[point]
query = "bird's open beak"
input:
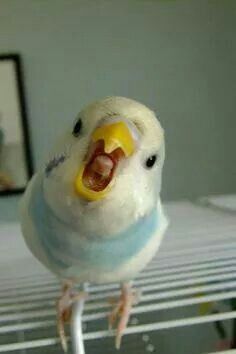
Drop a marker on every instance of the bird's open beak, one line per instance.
(110, 143)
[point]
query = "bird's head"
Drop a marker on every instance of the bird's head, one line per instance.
(105, 173)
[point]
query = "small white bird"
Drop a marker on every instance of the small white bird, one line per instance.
(94, 213)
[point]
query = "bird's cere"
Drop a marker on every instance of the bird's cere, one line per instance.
(115, 135)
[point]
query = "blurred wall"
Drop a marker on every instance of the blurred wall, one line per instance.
(178, 57)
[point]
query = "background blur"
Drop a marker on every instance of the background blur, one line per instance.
(178, 57)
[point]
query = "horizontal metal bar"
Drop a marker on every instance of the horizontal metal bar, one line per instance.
(145, 297)
(51, 312)
(163, 278)
(201, 240)
(154, 270)
(24, 306)
(31, 297)
(166, 305)
(21, 278)
(184, 268)
(162, 264)
(166, 294)
(164, 325)
(141, 281)
(39, 343)
(187, 235)
(54, 284)
(24, 326)
(14, 288)
(167, 284)
(200, 247)
(28, 292)
(192, 259)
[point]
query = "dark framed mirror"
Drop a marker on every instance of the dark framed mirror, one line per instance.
(16, 167)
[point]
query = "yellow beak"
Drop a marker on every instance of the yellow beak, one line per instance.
(115, 135)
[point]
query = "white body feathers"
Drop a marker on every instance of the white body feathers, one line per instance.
(56, 223)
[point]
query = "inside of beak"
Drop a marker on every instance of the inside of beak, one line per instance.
(110, 144)
(100, 167)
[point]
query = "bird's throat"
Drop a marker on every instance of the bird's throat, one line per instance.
(100, 167)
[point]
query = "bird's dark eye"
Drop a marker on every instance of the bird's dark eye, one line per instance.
(150, 162)
(77, 127)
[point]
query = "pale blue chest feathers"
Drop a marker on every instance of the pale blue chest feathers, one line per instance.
(65, 248)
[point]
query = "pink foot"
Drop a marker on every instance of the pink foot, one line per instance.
(64, 309)
(122, 309)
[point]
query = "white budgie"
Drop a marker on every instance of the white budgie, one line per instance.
(94, 214)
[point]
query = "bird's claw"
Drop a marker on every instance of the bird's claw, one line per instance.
(122, 309)
(64, 310)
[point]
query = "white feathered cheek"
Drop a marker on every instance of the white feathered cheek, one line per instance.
(151, 163)
(136, 184)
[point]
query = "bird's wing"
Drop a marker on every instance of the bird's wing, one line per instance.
(28, 227)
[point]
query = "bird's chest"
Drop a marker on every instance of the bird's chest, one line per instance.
(67, 248)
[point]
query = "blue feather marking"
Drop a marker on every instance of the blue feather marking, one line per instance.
(115, 251)
(106, 253)
(42, 222)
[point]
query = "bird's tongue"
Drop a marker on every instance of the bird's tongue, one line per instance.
(102, 165)
(98, 172)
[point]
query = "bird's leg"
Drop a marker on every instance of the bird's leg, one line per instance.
(64, 309)
(128, 298)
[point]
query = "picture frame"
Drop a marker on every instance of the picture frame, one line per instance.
(16, 164)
